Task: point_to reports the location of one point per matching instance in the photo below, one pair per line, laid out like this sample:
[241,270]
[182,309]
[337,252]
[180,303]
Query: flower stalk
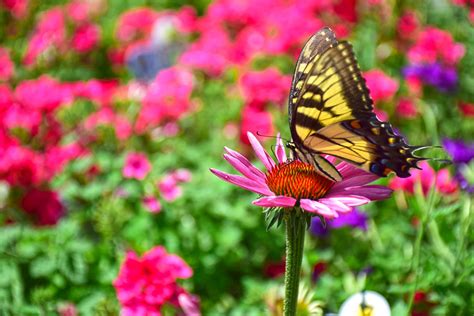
[295,232]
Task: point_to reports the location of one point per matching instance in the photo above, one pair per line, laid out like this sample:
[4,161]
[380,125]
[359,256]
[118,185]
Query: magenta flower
[44,206]
[381,86]
[85,38]
[289,183]
[152,204]
[136,166]
[169,185]
[7,68]
[145,284]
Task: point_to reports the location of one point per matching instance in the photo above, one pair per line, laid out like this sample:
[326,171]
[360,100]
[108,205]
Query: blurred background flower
[112,112]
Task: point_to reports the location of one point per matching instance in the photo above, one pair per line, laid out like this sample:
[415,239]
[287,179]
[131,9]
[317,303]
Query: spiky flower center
[298,180]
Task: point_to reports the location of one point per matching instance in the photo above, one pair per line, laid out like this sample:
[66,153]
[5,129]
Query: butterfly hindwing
[331,112]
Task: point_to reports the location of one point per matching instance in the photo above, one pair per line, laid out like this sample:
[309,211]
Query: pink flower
[20,166]
[169,185]
[43,205]
[50,32]
[255,121]
[43,94]
[99,91]
[262,87]
[426,178]
[406,108]
[18,8]
[6,65]
[136,24]
[106,116]
[67,309]
[381,86]
[136,166]
[168,98]
[81,11]
[288,183]
[436,45]
[408,25]
[85,38]
[209,52]
[145,284]
[152,204]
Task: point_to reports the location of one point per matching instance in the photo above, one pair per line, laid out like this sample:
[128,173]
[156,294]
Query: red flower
[406,108]
[85,38]
[422,305]
[43,205]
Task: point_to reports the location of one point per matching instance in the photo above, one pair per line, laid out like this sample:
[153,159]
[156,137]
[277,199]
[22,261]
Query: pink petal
[348,170]
[243,169]
[329,158]
[354,181]
[275,201]
[245,161]
[260,152]
[335,205]
[280,150]
[242,182]
[350,200]
[372,192]
[318,208]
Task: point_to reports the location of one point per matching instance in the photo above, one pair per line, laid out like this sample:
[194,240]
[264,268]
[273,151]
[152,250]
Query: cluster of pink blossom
[260,89]
[433,56]
[51,36]
[145,284]
[137,166]
[233,32]
[426,178]
[382,89]
[138,29]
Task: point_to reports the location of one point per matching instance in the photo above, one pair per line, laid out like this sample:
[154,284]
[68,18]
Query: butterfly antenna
[272,136]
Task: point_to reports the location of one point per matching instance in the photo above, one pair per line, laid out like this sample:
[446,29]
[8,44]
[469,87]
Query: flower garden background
[112,113]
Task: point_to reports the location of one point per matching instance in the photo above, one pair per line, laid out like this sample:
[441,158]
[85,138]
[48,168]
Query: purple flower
[460,151]
[444,78]
[355,219]
[463,157]
[288,183]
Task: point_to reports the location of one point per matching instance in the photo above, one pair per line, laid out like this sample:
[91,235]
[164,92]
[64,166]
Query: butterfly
[331,113]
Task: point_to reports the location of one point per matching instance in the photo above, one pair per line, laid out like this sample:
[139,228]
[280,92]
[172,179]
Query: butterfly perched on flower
[331,113]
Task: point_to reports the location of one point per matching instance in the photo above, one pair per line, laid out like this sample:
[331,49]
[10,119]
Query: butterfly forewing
[331,112]
[317,44]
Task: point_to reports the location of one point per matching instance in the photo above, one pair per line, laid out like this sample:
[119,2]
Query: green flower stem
[415,264]
[295,233]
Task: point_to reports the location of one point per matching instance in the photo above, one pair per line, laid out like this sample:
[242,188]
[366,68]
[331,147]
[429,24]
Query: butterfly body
[331,113]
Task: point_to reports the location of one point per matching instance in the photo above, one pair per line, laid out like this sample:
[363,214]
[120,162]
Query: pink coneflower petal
[372,192]
[260,152]
[275,201]
[243,169]
[336,205]
[350,200]
[280,150]
[245,161]
[318,208]
[355,181]
[242,182]
[349,171]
